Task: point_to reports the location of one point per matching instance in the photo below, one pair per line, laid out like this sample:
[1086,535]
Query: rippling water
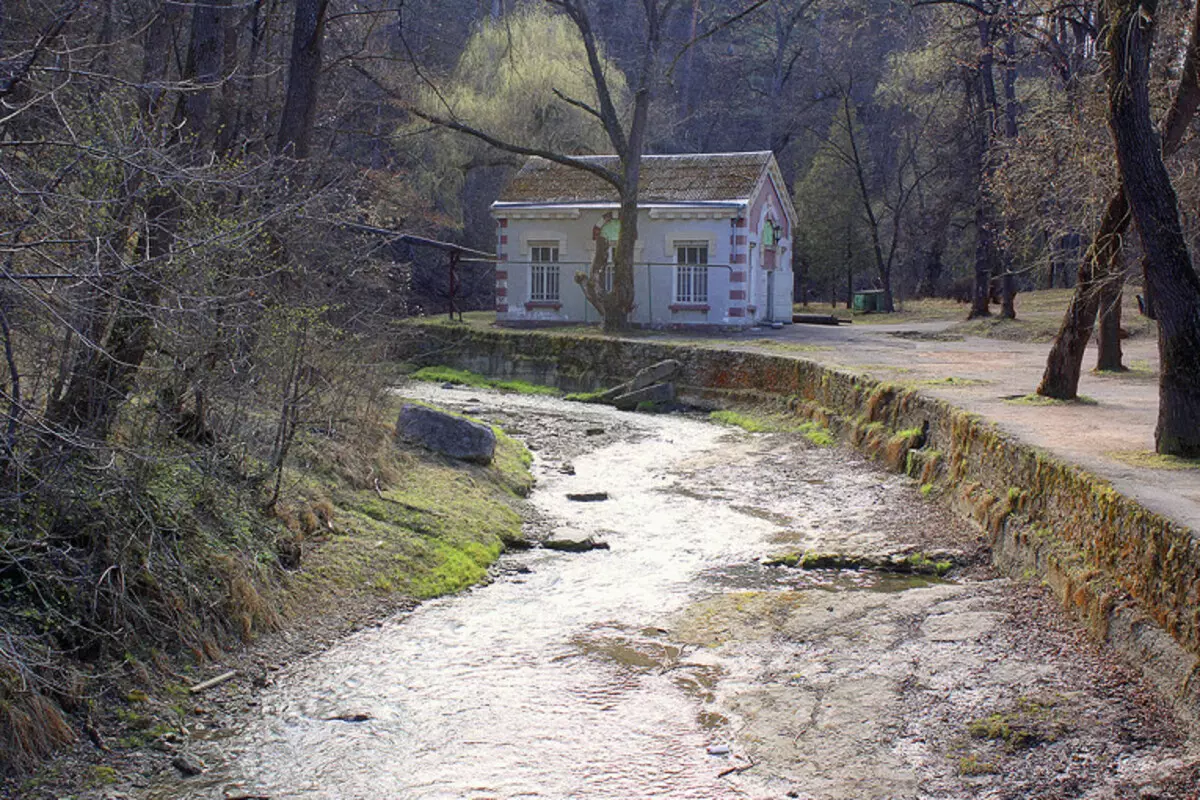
[568,677]
[555,683]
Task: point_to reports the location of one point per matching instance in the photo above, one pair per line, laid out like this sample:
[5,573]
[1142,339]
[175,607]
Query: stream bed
[677,665]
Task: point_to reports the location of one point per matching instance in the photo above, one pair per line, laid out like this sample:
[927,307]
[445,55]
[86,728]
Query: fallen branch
[211,682]
[737,770]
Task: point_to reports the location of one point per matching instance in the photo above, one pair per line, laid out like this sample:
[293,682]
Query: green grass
[951,380]
[586,397]
[1147,459]
[747,422]
[1039,400]
[773,423]
[404,521]
[463,377]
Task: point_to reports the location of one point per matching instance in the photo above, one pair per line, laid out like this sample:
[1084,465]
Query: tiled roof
[664,179]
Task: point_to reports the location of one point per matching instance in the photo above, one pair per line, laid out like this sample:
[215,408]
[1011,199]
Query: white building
[714,241]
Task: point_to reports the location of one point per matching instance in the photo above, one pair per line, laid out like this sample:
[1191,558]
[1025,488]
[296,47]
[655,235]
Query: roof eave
[501,205]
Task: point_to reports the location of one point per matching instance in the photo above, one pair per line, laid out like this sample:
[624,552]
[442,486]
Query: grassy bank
[206,566]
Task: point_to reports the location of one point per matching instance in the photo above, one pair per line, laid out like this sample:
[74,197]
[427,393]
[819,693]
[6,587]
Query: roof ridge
[668,155]
[669,177]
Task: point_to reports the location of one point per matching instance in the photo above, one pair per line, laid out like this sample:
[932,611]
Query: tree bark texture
[203,68]
[1065,361]
[1155,208]
[986,105]
[304,73]
[1109,356]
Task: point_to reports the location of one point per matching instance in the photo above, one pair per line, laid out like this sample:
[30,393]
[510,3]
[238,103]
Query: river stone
[443,433]
[571,540]
[657,394]
[587,497]
[187,764]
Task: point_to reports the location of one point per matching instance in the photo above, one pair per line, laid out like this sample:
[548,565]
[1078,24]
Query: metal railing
[643,279]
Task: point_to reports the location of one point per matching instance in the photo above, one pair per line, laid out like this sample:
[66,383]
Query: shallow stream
[675,664]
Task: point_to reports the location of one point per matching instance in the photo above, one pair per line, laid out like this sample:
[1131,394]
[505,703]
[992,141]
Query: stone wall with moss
[1132,575]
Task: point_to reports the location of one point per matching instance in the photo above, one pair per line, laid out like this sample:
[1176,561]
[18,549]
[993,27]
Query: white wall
[653,285]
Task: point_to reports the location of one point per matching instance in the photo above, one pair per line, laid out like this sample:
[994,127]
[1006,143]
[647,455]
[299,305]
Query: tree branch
[608,176]
[714,30]
[578,104]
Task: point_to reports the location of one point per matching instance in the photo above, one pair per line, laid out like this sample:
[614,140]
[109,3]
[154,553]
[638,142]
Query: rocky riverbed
[677,663]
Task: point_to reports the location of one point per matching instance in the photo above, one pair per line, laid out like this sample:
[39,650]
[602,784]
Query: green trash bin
[868,301]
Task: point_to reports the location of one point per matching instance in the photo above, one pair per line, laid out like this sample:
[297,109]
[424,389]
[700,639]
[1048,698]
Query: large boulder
[653,384]
[447,434]
[658,394]
[655,373]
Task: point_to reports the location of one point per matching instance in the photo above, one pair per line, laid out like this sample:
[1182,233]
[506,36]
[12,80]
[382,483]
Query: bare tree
[626,133]
[1170,275]
[1101,264]
[300,104]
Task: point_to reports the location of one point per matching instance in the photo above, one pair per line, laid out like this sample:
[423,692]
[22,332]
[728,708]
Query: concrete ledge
[1131,575]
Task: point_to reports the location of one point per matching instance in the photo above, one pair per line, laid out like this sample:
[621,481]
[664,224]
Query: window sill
[689,306]
[551,304]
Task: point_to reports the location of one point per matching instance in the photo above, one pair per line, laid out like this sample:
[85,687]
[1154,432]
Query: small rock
[569,540]
[356,717]
[594,432]
[587,497]
[518,543]
[719,750]
[449,385]
[187,764]
[567,469]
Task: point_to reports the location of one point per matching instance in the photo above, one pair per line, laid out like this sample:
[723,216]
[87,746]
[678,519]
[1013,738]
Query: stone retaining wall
[1133,576]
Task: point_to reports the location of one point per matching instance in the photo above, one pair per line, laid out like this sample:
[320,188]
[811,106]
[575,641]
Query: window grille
[691,272]
[543,272]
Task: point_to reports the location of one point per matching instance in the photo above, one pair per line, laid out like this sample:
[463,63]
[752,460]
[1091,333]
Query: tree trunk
[931,275]
[100,382]
[1063,365]
[1061,376]
[881,264]
[982,294]
[1109,351]
[205,52]
[1008,291]
[304,73]
[1155,208]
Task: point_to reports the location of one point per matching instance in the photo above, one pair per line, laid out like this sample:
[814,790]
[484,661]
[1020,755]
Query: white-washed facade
[713,263]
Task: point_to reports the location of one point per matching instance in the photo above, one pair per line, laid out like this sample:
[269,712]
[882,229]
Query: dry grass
[31,726]
[1039,315]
